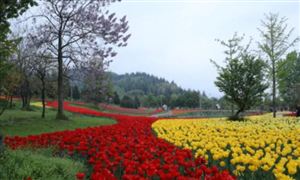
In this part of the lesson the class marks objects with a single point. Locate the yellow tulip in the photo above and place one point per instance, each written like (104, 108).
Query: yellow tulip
(257, 143)
(222, 164)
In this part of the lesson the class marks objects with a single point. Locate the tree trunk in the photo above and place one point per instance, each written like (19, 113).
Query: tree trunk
(60, 98)
(274, 89)
(2, 110)
(23, 100)
(11, 102)
(43, 97)
(236, 116)
(25, 95)
(4, 107)
(28, 102)
(1, 145)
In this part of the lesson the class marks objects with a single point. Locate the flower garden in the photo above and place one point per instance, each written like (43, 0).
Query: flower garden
(260, 148)
(139, 147)
(127, 150)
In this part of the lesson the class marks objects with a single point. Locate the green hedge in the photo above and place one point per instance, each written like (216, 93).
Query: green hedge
(21, 164)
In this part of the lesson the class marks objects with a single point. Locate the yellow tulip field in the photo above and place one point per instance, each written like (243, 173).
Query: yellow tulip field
(258, 148)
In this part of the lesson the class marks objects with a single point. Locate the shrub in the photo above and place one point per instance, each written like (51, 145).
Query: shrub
(22, 164)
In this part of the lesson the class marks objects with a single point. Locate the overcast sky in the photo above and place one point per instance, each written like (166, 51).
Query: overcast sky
(176, 39)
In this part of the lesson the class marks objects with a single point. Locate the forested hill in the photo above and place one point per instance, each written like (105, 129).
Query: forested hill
(143, 84)
(150, 91)
(134, 90)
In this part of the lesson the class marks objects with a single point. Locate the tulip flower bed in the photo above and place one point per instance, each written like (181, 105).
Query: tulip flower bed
(123, 110)
(127, 150)
(201, 113)
(176, 112)
(260, 148)
(37, 104)
(290, 114)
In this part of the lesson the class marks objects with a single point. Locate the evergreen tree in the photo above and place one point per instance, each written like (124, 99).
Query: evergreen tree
(116, 98)
(127, 102)
(76, 93)
(136, 102)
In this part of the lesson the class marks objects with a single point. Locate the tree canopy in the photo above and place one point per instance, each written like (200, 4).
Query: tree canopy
(242, 79)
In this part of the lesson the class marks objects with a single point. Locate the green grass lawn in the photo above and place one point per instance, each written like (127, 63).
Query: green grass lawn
(41, 163)
(18, 122)
(38, 164)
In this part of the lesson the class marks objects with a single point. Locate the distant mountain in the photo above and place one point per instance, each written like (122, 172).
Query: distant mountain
(152, 91)
(141, 84)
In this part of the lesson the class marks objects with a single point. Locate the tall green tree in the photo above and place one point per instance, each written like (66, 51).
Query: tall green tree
(232, 50)
(127, 102)
(137, 102)
(242, 79)
(288, 76)
(274, 44)
(116, 98)
(76, 93)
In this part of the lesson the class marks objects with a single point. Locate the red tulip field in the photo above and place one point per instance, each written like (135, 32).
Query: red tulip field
(126, 150)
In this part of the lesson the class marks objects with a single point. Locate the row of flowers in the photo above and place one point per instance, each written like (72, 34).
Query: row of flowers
(141, 110)
(291, 114)
(260, 148)
(127, 150)
(206, 113)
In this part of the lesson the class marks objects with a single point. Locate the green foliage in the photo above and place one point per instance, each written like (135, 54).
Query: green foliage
(1, 145)
(288, 75)
(4, 71)
(17, 122)
(128, 102)
(10, 9)
(188, 99)
(137, 103)
(151, 101)
(242, 81)
(76, 93)
(116, 98)
(143, 84)
(9, 81)
(154, 92)
(21, 164)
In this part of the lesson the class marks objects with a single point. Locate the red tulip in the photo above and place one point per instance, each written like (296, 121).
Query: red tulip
(126, 150)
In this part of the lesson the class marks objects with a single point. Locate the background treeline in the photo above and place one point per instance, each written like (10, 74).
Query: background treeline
(135, 90)
(140, 89)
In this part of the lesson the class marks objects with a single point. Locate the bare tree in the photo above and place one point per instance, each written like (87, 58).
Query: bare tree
(41, 62)
(275, 43)
(77, 30)
(96, 83)
(21, 59)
